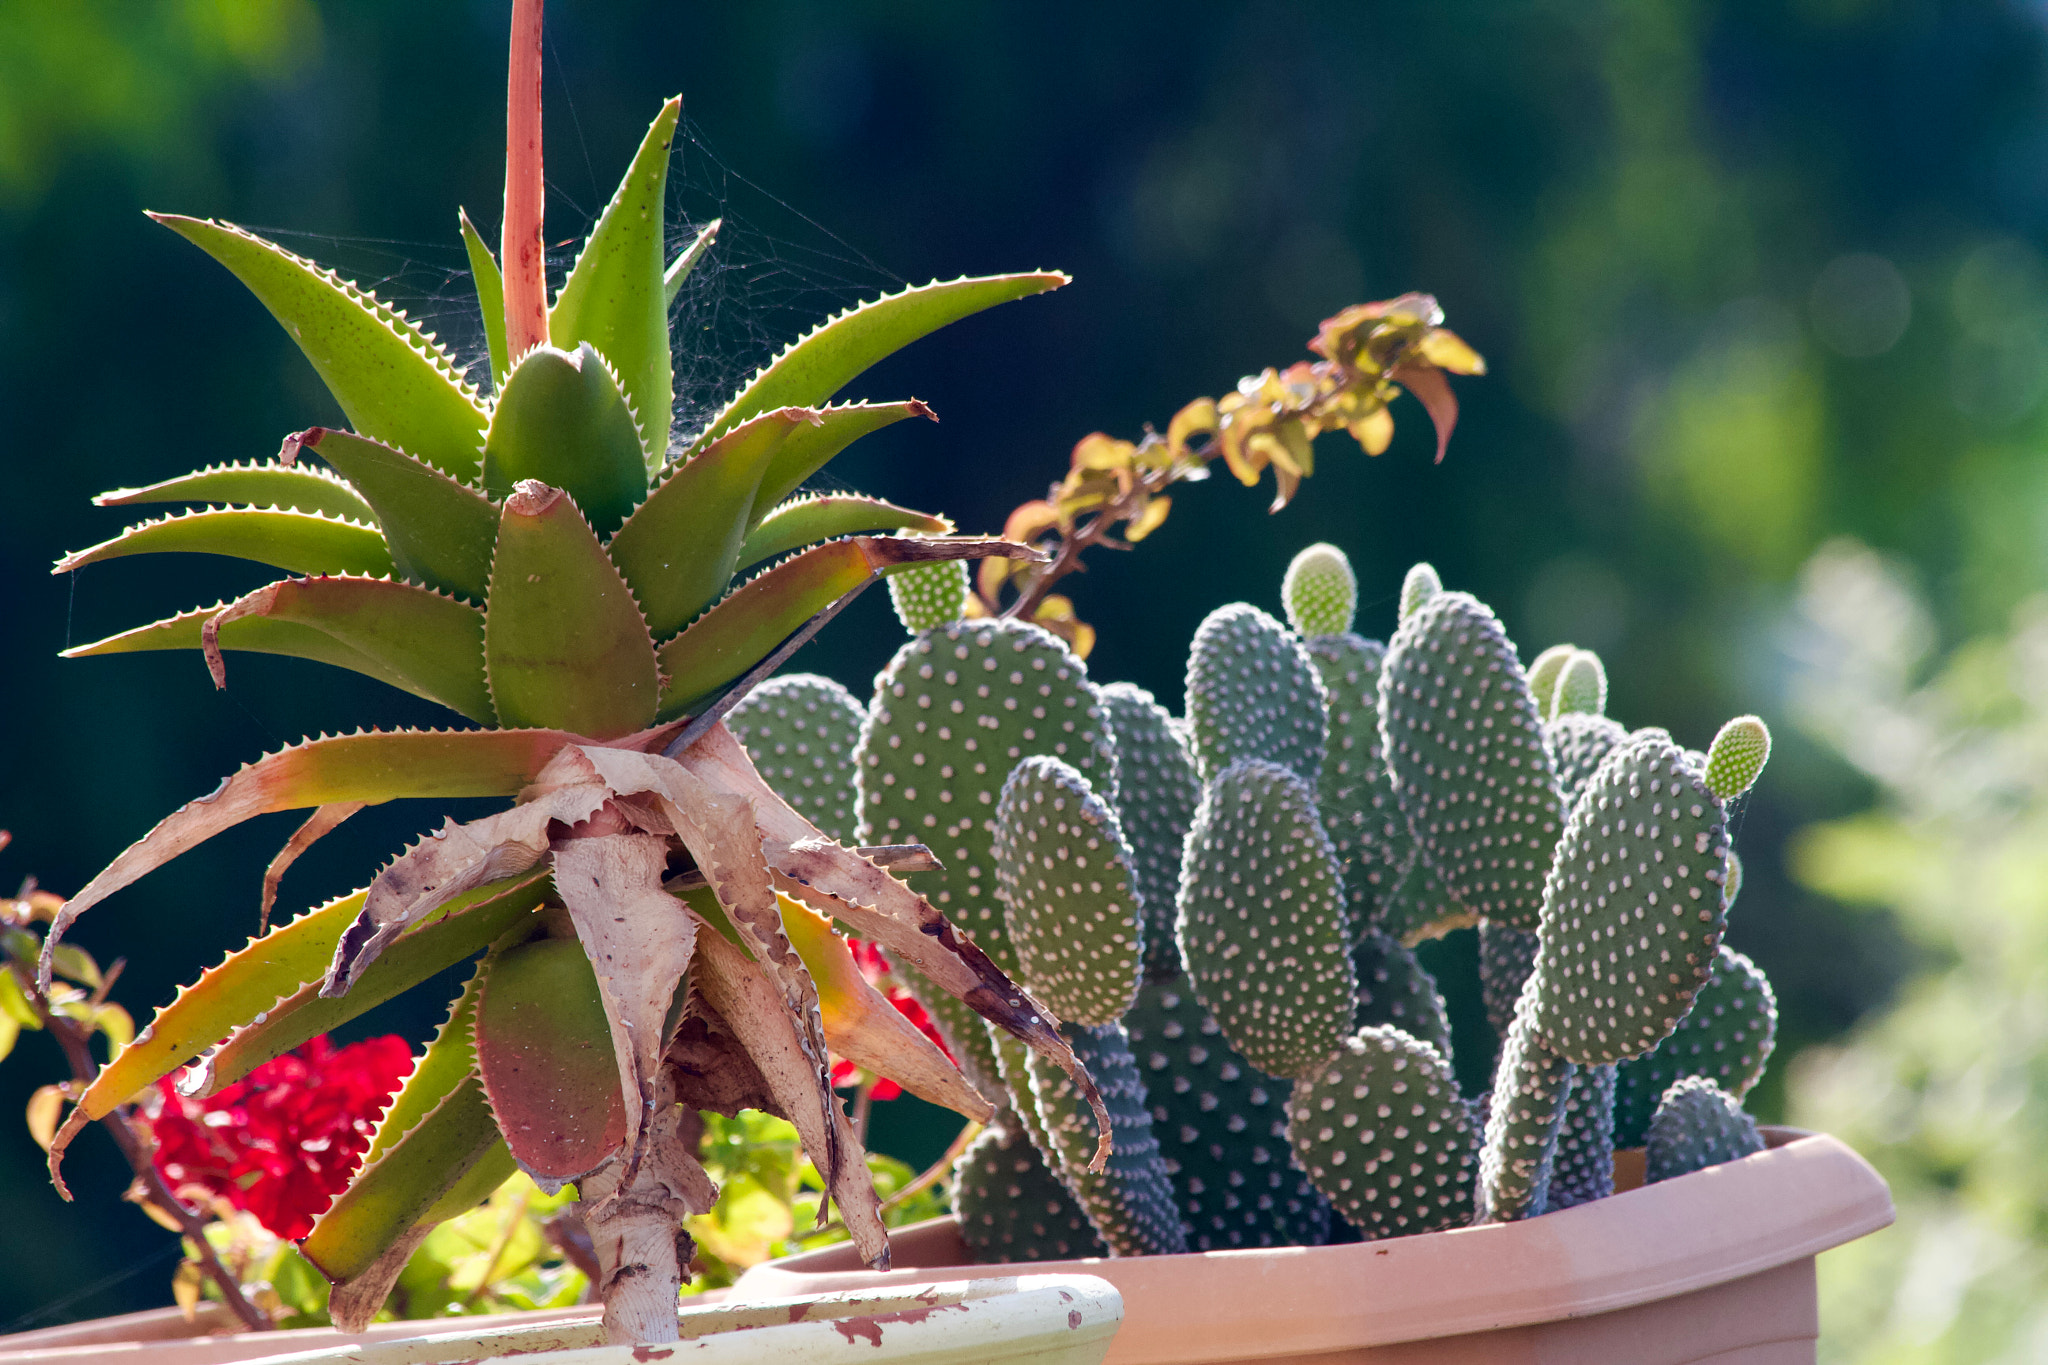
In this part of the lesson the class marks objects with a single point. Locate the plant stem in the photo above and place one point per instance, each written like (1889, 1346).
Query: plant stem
(135, 1148)
(522, 252)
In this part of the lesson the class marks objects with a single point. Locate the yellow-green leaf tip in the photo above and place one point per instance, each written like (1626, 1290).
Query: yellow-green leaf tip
(1736, 756)
(1320, 592)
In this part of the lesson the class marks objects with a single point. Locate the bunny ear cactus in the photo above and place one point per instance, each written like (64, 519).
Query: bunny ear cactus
(550, 565)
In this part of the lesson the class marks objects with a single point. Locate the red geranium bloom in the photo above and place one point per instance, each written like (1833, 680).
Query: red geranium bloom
(282, 1142)
(876, 969)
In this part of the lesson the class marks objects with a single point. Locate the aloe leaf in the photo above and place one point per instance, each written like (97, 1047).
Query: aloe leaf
(490, 293)
(225, 997)
(388, 1198)
(375, 767)
(679, 269)
(803, 521)
(809, 449)
(296, 542)
(564, 643)
(679, 549)
(746, 627)
(303, 488)
(614, 300)
(433, 641)
(561, 420)
(439, 531)
(253, 634)
(812, 369)
(544, 1054)
(394, 381)
(465, 927)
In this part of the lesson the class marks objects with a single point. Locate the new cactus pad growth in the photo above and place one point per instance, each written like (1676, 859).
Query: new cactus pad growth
(1286, 1058)
(1697, 1125)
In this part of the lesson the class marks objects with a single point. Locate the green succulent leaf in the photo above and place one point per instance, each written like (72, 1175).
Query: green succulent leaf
(679, 269)
(804, 521)
(544, 1053)
(296, 542)
(440, 531)
(614, 298)
(434, 642)
(490, 294)
(252, 634)
(812, 369)
(302, 488)
(372, 768)
(396, 1192)
(746, 627)
(470, 924)
(809, 449)
(679, 549)
(394, 381)
(561, 420)
(564, 643)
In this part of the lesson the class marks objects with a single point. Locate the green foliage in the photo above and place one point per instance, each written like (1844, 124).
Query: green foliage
(1697, 1125)
(1011, 1207)
(1355, 792)
(1726, 1037)
(1456, 706)
(928, 596)
(1262, 919)
(1371, 1113)
(1396, 991)
(1252, 695)
(1320, 592)
(801, 730)
(1584, 1166)
(1072, 909)
(1530, 1086)
(1129, 1201)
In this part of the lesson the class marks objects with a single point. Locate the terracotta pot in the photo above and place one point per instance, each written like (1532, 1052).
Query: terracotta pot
(1715, 1266)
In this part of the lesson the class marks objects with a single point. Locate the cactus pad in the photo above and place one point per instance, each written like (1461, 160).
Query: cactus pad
(1130, 1201)
(1418, 587)
(1727, 1038)
(1737, 756)
(1159, 793)
(1635, 908)
(800, 730)
(1011, 1207)
(1074, 918)
(1396, 990)
(1584, 1168)
(1355, 792)
(1381, 1129)
(1320, 592)
(1581, 686)
(1506, 957)
(1222, 1127)
(1697, 1125)
(1543, 673)
(1466, 749)
(928, 596)
(1577, 744)
(1262, 920)
(1252, 693)
(1530, 1086)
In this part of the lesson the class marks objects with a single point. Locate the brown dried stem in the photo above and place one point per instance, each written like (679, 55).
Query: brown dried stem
(75, 1040)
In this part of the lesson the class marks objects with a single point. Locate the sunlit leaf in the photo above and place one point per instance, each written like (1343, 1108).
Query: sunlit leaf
(562, 420)
(439, 531)
(296, 542)
(545, 1056)
(303, 488)
(490, 293)
(806, 520)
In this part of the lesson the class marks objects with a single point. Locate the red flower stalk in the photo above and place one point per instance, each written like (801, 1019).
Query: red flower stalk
(282, 1142)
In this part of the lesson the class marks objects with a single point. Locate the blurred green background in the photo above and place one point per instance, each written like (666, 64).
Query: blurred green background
(1757, 282)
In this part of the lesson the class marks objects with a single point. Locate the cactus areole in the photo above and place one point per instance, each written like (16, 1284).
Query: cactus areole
(555, 564)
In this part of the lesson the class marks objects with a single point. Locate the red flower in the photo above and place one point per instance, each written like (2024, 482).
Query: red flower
(876, 969)
(282, 1142)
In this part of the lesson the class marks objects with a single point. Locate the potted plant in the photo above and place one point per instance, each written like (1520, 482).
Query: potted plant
(1223, 911)
(551, 564)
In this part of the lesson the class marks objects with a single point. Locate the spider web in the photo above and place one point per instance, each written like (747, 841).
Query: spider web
(772, 274)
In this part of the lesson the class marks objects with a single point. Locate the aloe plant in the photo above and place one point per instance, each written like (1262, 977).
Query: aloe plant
(555, 567)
